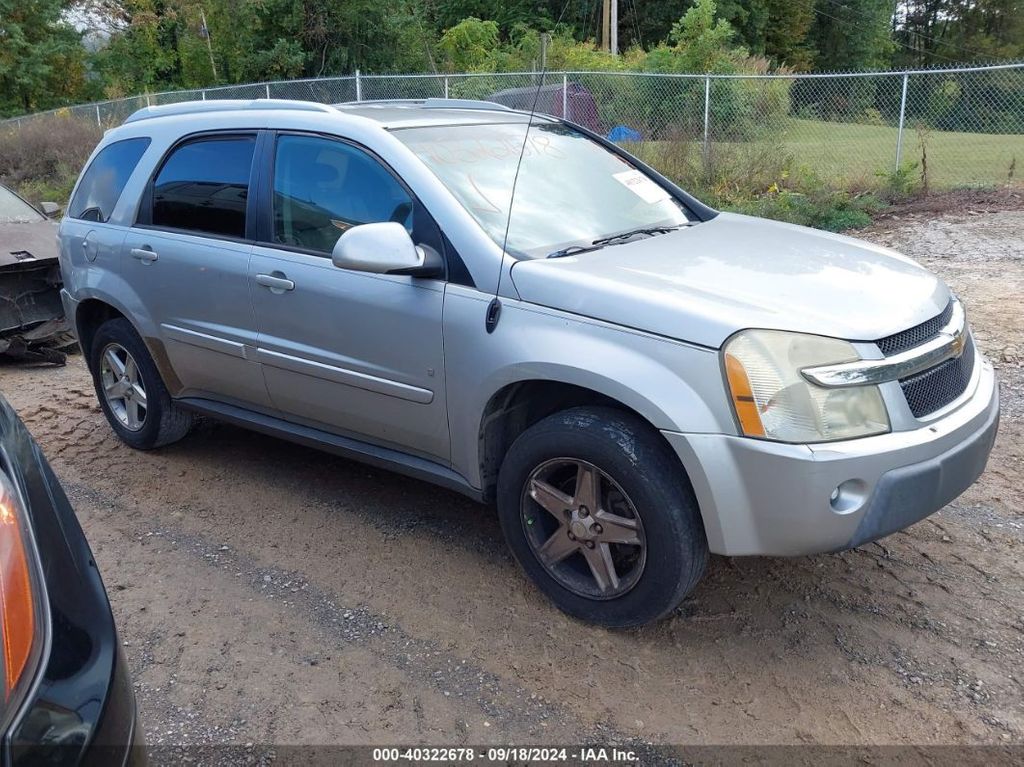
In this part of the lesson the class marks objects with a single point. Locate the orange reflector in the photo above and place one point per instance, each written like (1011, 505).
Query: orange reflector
(17, 613)
(743, 398)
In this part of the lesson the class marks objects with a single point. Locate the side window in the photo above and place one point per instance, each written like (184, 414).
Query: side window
(203, 186)
(104, 180)
(323, 187)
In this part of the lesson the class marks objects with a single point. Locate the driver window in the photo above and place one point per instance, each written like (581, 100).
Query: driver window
(323, 187)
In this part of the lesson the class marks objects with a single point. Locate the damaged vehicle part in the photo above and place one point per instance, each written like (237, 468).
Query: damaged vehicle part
(32, 324)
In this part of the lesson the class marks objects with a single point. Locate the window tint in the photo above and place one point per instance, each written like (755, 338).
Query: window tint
(203, 186)
(105, 178)
(323, 187)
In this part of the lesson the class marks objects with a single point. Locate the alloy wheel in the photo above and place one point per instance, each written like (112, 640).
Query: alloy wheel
(583, 528)
(123, 387)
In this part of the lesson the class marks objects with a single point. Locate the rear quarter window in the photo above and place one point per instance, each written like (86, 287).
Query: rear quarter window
(105, 179)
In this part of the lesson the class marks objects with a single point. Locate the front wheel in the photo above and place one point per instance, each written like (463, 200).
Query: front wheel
(600, 514)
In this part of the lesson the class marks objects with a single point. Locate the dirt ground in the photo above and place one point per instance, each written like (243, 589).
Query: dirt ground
(267, 593)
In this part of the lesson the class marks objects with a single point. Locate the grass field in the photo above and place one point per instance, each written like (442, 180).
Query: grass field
(847, 152)
(834, 175)
(848, 156)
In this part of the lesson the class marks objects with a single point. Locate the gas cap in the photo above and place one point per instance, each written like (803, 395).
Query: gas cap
(90, 246)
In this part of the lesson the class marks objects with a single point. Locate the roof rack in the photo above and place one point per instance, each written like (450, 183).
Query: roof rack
(225, 105)
(465, 104)
(433, 103)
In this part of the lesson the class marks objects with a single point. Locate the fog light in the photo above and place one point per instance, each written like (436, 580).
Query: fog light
(848, 496)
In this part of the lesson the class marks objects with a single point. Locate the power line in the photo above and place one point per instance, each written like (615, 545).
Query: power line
(845, 7)
(864, 26)
(636, 24)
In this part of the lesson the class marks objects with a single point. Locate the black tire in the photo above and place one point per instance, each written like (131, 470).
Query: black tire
(163, 422)
(631, 454)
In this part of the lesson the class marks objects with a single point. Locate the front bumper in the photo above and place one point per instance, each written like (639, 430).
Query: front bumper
(766, 498)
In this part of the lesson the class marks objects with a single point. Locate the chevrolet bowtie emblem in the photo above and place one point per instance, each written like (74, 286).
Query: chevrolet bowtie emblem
(957, 345)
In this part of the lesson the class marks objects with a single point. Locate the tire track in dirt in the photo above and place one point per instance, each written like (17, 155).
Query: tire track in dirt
(918, 639)
(336, 628)
(700, 676)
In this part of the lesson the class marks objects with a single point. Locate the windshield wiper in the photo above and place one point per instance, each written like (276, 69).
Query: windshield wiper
(651, 230)
(572, 250)
(599, 243)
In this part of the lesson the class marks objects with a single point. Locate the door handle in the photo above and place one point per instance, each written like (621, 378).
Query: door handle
(145, 255)
(276, 281)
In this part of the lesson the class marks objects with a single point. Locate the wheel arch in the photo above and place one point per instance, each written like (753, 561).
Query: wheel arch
(519, 404)
(89, 315)
(94, 309)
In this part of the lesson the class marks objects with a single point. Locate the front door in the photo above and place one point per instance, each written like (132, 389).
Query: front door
(354, 353)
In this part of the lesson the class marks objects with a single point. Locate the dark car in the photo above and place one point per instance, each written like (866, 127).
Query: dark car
(32, 322)
(573, 102)
(66, 697)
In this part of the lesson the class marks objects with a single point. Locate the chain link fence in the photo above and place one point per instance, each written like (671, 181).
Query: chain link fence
(949, 128)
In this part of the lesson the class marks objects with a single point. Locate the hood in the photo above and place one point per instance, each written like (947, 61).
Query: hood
(38, 238)
(703, 283)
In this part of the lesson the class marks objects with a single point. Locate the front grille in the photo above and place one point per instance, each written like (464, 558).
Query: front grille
(917, 335)
(938, 386)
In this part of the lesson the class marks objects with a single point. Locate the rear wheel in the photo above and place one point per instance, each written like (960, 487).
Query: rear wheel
(130, 390)
(600, 514)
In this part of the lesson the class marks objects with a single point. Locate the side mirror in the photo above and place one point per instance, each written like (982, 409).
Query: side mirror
(49, 209)
(385, 248)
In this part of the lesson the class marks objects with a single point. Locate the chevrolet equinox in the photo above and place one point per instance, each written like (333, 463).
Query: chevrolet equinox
(635, 379)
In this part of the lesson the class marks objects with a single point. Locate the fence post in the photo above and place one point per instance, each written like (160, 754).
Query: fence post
(204, 94)
(899, 132)
(707, 117)
(268, 90)
(359, 87)
(446, 86)
(565, 96)
(99, 122)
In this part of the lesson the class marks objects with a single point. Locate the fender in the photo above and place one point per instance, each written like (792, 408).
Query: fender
(115, 292)
(641, 371)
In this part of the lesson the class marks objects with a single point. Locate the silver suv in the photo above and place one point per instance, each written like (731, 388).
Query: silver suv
(635, 379)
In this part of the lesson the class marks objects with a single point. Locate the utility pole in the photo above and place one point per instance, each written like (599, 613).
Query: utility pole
(205, 32)
(610, 26)
(613, 25)
(606, 17)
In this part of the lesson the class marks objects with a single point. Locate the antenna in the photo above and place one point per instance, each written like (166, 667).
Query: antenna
(494, 307)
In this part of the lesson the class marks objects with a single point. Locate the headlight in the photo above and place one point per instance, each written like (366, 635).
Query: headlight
(20, 624)
(774, 401)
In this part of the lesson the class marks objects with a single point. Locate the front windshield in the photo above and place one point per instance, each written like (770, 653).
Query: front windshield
(571, 190)
(14, 210)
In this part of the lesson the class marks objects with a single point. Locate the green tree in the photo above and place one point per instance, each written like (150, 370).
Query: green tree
(749, 19)
(535, 14)
(42, 62)
(470, 46)
(852, 35)
(939, 31)
(698, 43)
(786, 36)
(142, 54)
(162, 44)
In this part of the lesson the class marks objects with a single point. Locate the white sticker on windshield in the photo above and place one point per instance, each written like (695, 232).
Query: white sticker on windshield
(641, 186)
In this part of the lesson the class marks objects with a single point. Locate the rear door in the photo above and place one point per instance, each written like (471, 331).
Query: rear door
(354, 353)
(187, 257)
